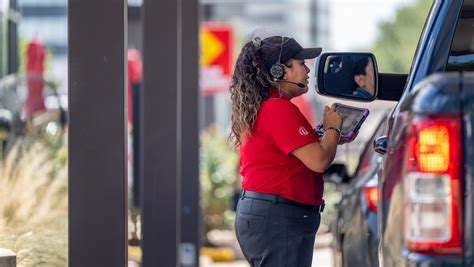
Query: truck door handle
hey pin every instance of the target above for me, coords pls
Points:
(380, 144)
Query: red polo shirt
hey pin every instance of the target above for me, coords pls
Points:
(266, 161)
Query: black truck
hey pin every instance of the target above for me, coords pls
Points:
(426, 202)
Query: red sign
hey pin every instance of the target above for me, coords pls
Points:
(216, 58)
(35, 55)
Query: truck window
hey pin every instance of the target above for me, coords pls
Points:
(461, 55)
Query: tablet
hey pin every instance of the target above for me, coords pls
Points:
(352, 119)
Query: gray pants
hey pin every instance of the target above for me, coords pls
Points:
(276, 235)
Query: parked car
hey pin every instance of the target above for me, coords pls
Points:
(426, 204)
(355, 225)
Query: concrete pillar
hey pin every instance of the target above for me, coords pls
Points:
(7, 258)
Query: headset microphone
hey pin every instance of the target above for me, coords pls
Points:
(301, 85)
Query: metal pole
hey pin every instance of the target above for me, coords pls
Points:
(190, 208)
(97, 133)
(161, 134)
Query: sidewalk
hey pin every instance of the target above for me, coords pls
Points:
(322, 257)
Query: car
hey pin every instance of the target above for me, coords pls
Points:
(354, 227)
(426, 203)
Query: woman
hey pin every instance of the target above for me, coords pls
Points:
(282, 159)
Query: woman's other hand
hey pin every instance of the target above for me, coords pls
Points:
(331, 118)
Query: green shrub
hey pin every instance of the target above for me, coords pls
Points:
(218, 172)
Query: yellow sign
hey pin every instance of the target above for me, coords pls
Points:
(211, 47)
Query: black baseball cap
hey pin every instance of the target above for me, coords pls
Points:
(271, 48)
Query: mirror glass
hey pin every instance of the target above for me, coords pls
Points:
(351, 75)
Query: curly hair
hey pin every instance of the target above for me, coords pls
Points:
(249, 88)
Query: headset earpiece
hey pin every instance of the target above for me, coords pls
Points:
(278, 70)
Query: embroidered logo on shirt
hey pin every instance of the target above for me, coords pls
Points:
(303, 131)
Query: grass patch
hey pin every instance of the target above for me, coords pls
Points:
(34, 204)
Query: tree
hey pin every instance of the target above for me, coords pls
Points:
(397, 42)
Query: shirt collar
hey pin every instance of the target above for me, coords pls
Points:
(275, 93)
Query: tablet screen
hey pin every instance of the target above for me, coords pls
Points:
(350, 118)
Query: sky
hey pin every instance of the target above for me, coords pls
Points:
(350, 30)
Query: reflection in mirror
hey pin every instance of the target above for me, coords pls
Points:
(351, 75)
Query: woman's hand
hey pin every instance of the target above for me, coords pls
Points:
(331, 118)
(318, 156)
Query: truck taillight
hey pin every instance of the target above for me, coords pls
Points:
(371, 194)
(433, 187)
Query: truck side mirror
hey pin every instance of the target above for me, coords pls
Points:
(351, 76)
(380, 144)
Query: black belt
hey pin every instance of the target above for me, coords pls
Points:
(277, 199)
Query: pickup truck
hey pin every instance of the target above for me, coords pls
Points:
(426, 202)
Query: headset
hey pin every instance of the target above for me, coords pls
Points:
(278, 69)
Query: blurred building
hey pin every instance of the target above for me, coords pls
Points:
(47, 21)
(305, 20)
